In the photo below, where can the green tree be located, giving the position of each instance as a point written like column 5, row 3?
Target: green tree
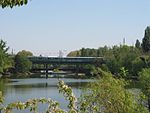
column 146, row 40
column 5, row 60
column 121, row 56
column 25, row 53
column 108, row 95
column 74, row 54
column 22, row 63
column 83, row 54
column 12, row 3
column 138, row 44
column 116, row 57
column 144, row 77
column 137, row 66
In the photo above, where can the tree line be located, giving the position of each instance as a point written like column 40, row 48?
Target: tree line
column 10, row 63
column 124, row 62
column 132, row 58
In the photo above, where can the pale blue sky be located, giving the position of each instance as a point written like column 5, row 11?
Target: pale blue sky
column 47, row 26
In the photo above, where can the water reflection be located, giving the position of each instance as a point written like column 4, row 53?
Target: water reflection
column 24, row 89
column 45, row 85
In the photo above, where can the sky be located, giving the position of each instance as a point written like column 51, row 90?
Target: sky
column 48, row 26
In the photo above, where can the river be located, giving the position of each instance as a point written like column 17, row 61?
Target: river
column 24, row 89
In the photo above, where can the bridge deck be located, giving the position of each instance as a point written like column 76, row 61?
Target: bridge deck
column 68, row 60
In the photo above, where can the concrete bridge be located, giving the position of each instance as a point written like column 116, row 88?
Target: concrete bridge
column 78, row 62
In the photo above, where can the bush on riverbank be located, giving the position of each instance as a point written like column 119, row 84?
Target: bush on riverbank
column 144, row 77
column 109, row 95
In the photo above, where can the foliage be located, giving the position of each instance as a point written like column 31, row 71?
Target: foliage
column 123, row 72
column 144, row 77
column 90, row 70
column 104, row 67
column 5, row 60
column 116, row 57
column 68, row 94
column 138, row 44
column 74, row 54
column 87, row 52
column 2, row 85
column 1, row 98
column 25, row 53
column 137, row 66
column 32, row 104
column 146, row 40
column 12, row 3
column 53, row 106
column 56, row 70
column 123, row 57
column 109, row 95
column 22, row 63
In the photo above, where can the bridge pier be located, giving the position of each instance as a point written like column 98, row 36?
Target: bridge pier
column 77, row 70
column 46, row 67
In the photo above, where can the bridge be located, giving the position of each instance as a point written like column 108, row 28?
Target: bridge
column 50, row 62
column 66, row 60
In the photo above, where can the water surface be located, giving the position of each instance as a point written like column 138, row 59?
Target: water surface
column 24, row 89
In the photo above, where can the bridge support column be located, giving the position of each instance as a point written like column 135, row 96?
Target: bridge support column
column 77, row 70
column 46, row 67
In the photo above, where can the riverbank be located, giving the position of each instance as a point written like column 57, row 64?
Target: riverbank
column 43, row 75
